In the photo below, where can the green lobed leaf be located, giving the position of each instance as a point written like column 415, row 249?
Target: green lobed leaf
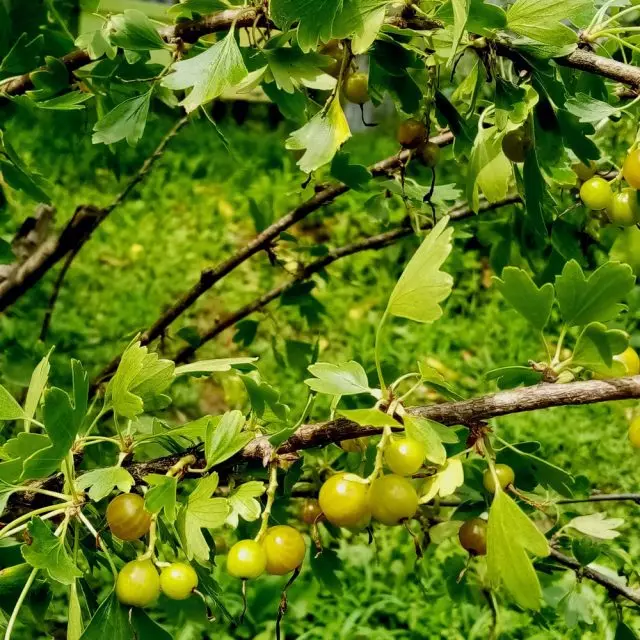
column 421, row 429
column 531, row 302
column 161, row 495
column 72, row 101
column 370, row 417
column 422, row 286
column 513, row 376
column 17, row 450
column 17, row 175
column 597, row 345
column 109, row 621
column 145, row 628
column 321, row 137
column 590, row 110
column 594, row 299
column 361, row 20
column 133, row 30
column 209, row 73
column 101, row 482
column 47, row 552
column 355, row 176
column 211, row 366
column 510, row 534
column 244, row 504
column 262, row 397
column 347, row 378
column 460, row 15
column 597, row 525
column 225, row 437
column 126, row 121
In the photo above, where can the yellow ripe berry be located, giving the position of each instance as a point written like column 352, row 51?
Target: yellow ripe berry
column 634, row 433
column 344, row 501
column 138, row 583
column 392, row 499
column 285, row 548
column 404, row 456
column 246, row 559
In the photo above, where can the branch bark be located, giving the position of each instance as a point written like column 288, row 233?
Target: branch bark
column 366, row 244
column 79, row 229
column 209, row 277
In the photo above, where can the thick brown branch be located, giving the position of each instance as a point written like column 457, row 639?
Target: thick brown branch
column 366, row 244
column 73, row 237
column 210, row 277
column 613, row 587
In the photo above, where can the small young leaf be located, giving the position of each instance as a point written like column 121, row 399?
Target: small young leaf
column 161, row 495
column 208, row 74
column 46, row 551
column 347, row 378
column 126, row 120
column 355, row 176
column 133, row 30
column 224, row 437
column 103, row 481
column 597, row 345
column 422, row 286
column 597, row 525
column 315, row 19
column 596, row 299
column 531, row 302
column 37, row 384
column 321, row 137
column 262, row 397
column 510, row 534
column 370, row 417
column 211, row 366
column 244, row 504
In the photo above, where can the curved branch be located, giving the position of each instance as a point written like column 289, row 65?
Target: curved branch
column 366, row 244
column 209, row 277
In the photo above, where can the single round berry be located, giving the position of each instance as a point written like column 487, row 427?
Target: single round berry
column 583, row 171
column 596, row 193
column 334, row 51
column 411, row 133
column 127, row 517
column 404, row 456
column 356, row 88
column 634, row 433
column 631, row 169
column 623, row 210
column 473, row 536
column 138, row 583
column 246, row 559
column 392, row 499
column 505, row 475
column 429, row 154
column 178, row 580
column 344, row 501
column 285, row 548
column 311, row 511
column 515, row 145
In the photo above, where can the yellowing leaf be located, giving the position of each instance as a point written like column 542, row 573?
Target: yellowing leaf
column 422, row 286
column 510, row 534
column 445, row 482
column 209, row 74
column 322, row 136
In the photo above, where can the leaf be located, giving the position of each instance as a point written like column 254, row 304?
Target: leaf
column 224, row 438
column 103, row 481
column 291, row 68
column 597, row 345
column 596, row 299
column 445, row 482
column 62, row 427
column 9, row 407
column 355, row 176
column 145, row 628
column 421, row 429
column 201, row 511
column 321, row 137
column 531, row 302
column 17, row 450
column 208, row 74
column 72, row 101
column 110, row 621
column 23, row 56
column 514, row 376
column 510, row 534
column 542, row 19
column 140, row 378
column 362, row 20
column 263, row 396
column 47, row 552
column 460, row 15
column 18, row 176
column 325, row 567
column 37, row 384
column 244, row 504
column 345, row 379
column 597, row 525
column 422, row 286
column 126, row 121
column 161, row 495
column 370, row 417
column 590, row 110
column 624, row 632
column 314, row 19
column 133, row 30
column 211, row 366
column 74, row 614
column 535, row 191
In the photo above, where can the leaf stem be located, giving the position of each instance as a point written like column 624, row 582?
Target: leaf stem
column 19, row 603
column 46, row 516
column 271, row 496
column 376, row 350
column 35, row 512
column 561, row 337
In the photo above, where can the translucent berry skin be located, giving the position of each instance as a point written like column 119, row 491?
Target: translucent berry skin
column 392, row 499
column 138, row 583
column 356, row 88
column 634, row 433
column 178, row 580
column 127, row 517
column 311, row 511
column 404, row 456
column 411, row 133
column 623, row 210
column 631, row 169
column 345, row 502
column 246, row 559
column 473, row 536
column 596, row 193
column 515, row 145
column 505, row 474
column 285, row 548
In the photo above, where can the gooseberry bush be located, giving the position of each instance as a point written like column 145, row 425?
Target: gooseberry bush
column 526, row 93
